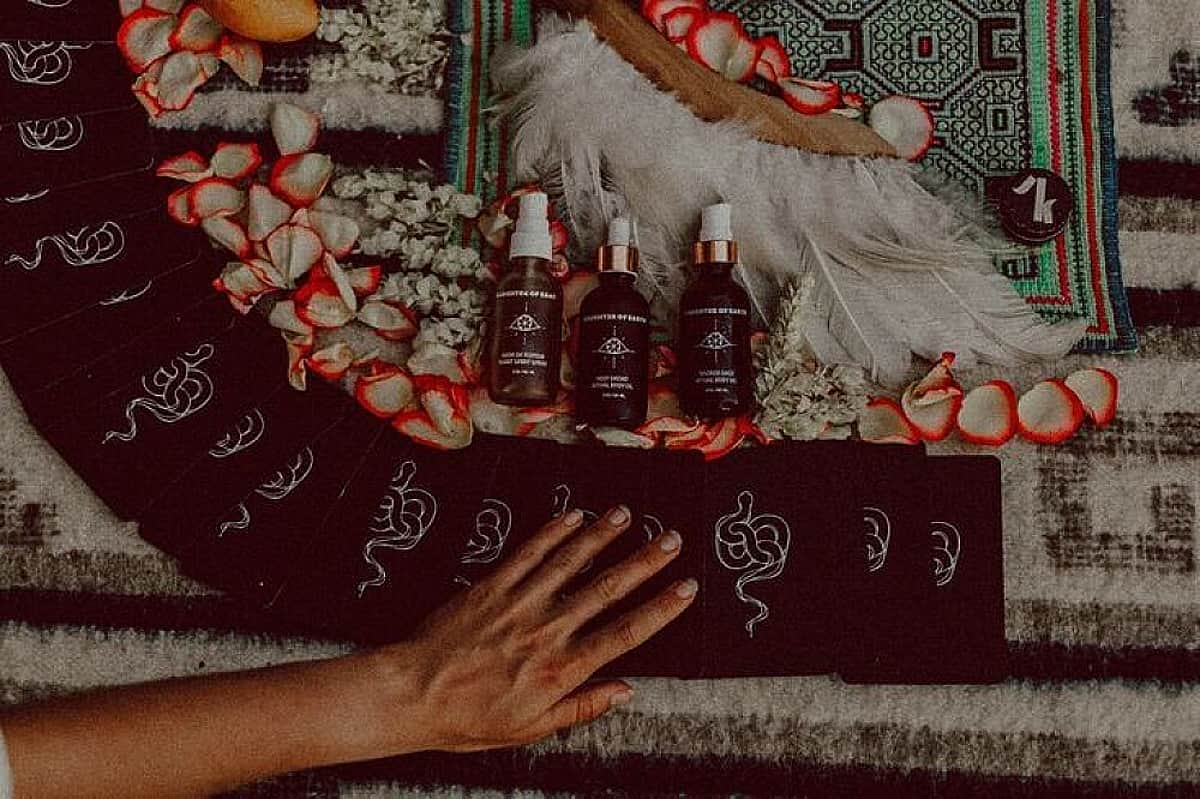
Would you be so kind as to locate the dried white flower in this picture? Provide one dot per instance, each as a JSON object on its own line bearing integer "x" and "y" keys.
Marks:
{"x": 396, "y": 45}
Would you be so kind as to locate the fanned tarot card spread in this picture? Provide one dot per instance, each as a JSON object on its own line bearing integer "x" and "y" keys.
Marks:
{"x": 45, "y": 79}
{"x": 69, "y": 151}
{"x": 35, "y": 356}
{"x": 265, "y": 449}
{"x": 129, "y": 442}
{"x": 94, "y": 20}
{"x": 783, "y": 532}
{"x": 387, "y": 555}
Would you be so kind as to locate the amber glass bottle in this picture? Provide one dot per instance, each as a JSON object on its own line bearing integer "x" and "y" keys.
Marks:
{"x": 612, "y": 383}
{"x": 715, "y": 370}
{"x": 525, "y": 334}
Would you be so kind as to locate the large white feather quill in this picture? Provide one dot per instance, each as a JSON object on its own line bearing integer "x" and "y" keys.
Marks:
{"x": 896, "y": 269}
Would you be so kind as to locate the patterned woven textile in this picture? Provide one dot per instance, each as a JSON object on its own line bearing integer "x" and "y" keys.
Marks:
{"x": 1101, "y": 542}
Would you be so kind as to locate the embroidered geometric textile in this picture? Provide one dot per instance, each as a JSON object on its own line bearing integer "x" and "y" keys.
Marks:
{"x": 1011, "y": 84}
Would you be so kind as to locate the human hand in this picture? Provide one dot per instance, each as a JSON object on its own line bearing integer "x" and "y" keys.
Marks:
{"x": 505, "y": 662}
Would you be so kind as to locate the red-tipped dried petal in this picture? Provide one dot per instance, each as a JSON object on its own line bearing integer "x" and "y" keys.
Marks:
{"x": 751, "y": 430}
{"x": 191, "y": 167}
{"x": 678, "y": 22}
{"x": 656, "y": 11}
{"x": 236, "y": 161}
{"x": 129, "y": 6}
{"x": 810, "y": 96}
{"x": 447, "y": 403}
{"x": 182, "y": 74}
{"x": 339, "y": 278}
{"x": 283, "y": 316}
{"x": 300, "y": 179}
{"x": 229, "y": 234}
{"x": 931, "y": 404}
{"x": 295, "y": 250}
{"x": 145, "y": 37}
{"x": 243, "y": 284}
{"x": 295, "y": 129}
{"x": 437, "y": 359}
{"x": 773, "y": 63}
{"x": 491, "y": 417}
{"x": 244, "y": 57}
{"x": 988, "y": 415}
{"x": 854, "y": 100}
{"x": 468, "y": 361}
{"x": 298, "y": 350}
{"x": 365, "y": 280}
{"x": 420, "y": 428}
{"x": 848, "y": 113}
{"x": 883, "y": 422}
{"x": 758, "y": 340}
{"x": 268, "y": 273}
{"x": 179, "y": 207}
{"x": 668, "y": 424}
{"x": 721, "y": 43}
{"x": 145, "y": 89}
{"x": 340, "y": 233}
{"x": 616, "y": 437}
{"x": 319, "y": 304}
{"x": 1049, "y": 413}
{"x": 1097, "y": 391}
{"x": 694, "y": 439}
{"x": 197, "y": 31}
{"x": 216, "y": 197}
{"x": 332, "y": 362}
{"x": 727, "y": 435}
{"x": 390, "y": 320}
{"x": 905, "y": 123}
{"x": 169, "y": 6}
{"x": 267, "y": 212}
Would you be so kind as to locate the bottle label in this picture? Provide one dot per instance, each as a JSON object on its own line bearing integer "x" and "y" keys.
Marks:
{"x": 527, "y": 324}
{"x": 713, "y": 343}
{"x": 614, "y": 345}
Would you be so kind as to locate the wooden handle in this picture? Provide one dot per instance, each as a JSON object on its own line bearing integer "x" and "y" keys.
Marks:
{"x": 714, "y": 98}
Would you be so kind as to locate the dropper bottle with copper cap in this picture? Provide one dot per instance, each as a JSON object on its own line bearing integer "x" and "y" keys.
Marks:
{"x": 612, "y": 381}
{"x": 715, "y": 369}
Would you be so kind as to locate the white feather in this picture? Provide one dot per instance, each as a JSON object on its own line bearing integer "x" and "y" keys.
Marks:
{"x": 897, "y": 270}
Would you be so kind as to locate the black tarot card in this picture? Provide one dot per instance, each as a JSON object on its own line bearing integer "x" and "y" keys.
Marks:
{"x": 672, "y": 494}
{"x": 893, "y": 560}
{"x": 265, "y": 453}
{"x": 519, "y": 498}
{"x": 90, "y": 203}
{"x": 67, "y": 151}
{"x": 131, "y": 444}
{"x": 784, "y": 534}
{"x": 78, "y": 267}
{"x": 387, "y": 555}
{"x": 38, "y": 356}
{"x": 954, "y": 632}
{"x": 67, "y": 20}
{"x": 53, "y": 78}
{"x": 58, "y": 401}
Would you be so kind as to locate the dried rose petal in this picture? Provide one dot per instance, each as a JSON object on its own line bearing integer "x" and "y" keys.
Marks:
{"x": 197, "y": 31}
{"x": 365, "y": 280}
{"x": 295, "y": 129}
{"x": 145, "y": 37}
{"x": 295, "y": 250}
{"x": 390, "y": 320}
{"x": 386, "y": 392}
{"x": 179, "y": 207}
{"x": 420, "y": 428}
{"x": 318, "y": 303}
{"x": 244, "y": 57}
{"x": 340, "y": 233}
{"x": 216, "y": 197}
{"x": 267, "y": 212}
{"x": 229, "y": 234}
{"x": 283, "y": 316}
{"x": 236, "y": 161}
{"x": 301, "y": 179}
{"x": 191, "y": 167}
{"x": 182, "y": 74}
{"x": 332, "y": 362}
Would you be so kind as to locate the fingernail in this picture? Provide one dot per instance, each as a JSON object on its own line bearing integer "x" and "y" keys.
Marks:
{"x": 573, "y": 518}
{"x": 687, "y": 589}
{"x": 618, "y": 515}
{"x": 669, "y": 541}
{"x": 620, "y": 698}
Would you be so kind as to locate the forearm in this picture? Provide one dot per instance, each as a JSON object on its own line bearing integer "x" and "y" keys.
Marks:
{"x": 201, "y": 735}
